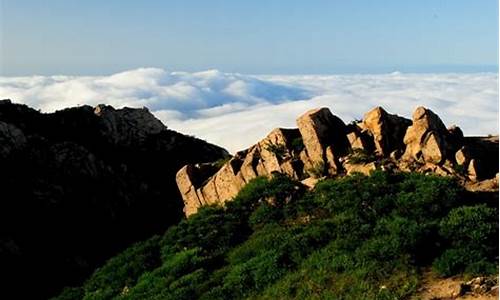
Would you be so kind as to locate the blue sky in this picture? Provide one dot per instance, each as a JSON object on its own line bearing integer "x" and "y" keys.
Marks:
{"x": 90, "y": 37}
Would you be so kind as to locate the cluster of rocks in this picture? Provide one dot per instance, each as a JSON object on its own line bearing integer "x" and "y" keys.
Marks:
{"x": 323, "y": 145}
{"x": 479, "y": 286}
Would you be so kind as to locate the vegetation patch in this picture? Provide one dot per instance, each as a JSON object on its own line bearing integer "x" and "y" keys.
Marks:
{"x": 277, "y": 149}
{"x": 360, "y": 156}
{"x": 318, "y": 170}
{"x": 357, "y": 237}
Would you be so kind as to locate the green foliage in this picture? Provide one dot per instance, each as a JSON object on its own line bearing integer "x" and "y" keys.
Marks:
{"x": 297, "y": 144}
{"x": 318, "y": 170}
{"x": 471, "y": 226}
{"x": 472, "y": 232}
{"x": 70, "y": 293}
{"x": 221, "y": 162}
{"x": 277, "y": 149}
{"x": 211, "y": 229}
{"x": 360, "y": 156}
{"x": 460, "y": 169}
{"x": 357, "y": 237}
{"x": 123, "y": 270}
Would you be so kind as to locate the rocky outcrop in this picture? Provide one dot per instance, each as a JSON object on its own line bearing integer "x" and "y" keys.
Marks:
{"x": 324, "y": 138}
{"x": 387, "y": 130}
{"x": 127, "y": 125}
{"x": 82, "y": 184}
{"x": 425, "y": 139}
{"x": 275, "y": 153}
{"x": 323, "y": 145}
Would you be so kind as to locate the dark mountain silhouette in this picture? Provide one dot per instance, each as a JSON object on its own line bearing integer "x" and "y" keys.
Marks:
{"x": 79, "y": 185}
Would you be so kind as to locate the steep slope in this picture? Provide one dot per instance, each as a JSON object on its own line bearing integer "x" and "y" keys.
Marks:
{"x": 323, "y": 145}
{"x": 81, "y": 184}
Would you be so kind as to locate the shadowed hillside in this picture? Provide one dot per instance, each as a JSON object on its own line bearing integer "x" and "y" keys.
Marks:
{"x": 81, "y": 184}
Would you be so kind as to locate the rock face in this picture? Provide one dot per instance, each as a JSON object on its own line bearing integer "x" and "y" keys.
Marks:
{"x": 128, "y": 125}
{"x": 387, "y": 130}
{"x": 275, "y": 153}
{"x": 81, "y": 184}
{"x": 425, "y": 139}
{"x": 324, "y": 137}
{"x": 323, "y": 145}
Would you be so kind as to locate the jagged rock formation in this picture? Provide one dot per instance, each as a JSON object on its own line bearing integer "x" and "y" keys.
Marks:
{"x": 323, "y": 145}
{"x": 81, "y": 184}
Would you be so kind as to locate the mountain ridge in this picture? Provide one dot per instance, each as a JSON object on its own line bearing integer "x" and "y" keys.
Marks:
{"x": 323, "y": 145}
{"x": 81, "y": 184}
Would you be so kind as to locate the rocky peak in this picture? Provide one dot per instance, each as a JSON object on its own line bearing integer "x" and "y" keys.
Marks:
{"x": 387, "y": 131}
{"x": 127, "y": 125}
{"x": 325, "y": 138}
{"x": 323, "y": 145}
{"x": 426, "y": 139}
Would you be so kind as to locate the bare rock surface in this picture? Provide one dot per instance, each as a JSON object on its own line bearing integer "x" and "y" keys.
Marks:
{"x": 323, "y": 145}
{"x": 387, "y": 130}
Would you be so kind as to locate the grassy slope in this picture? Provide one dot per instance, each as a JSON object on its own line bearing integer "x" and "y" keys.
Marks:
{"x": 352, "y": 238}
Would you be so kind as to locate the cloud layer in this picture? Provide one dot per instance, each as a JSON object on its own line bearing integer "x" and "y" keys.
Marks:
{"x": 235, "y": 110}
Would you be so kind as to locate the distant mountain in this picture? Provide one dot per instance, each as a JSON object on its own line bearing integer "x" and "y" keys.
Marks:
{"x": 79, "y": 185}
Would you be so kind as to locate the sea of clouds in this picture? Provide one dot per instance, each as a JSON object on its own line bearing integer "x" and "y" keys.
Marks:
{"x": 235, "y": 110}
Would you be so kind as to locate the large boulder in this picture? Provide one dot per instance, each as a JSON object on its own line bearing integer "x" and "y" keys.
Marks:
{"x": 275, "y": 148}
{"x": 249, "y": 168}
{"x": 463, "y": 156}
{"x": 484, "y": 150}
{"x": 386, "y": 129}
{"x": 228, "y": 180}
{"x": 189, "y": 178}
{"x": 324, "y": 137}
{"x": 425, "y": 139}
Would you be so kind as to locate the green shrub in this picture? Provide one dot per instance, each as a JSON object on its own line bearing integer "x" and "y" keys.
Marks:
{"x": 70, "y": 293}
{"x": 277, "y": 149}
{"x": 360, "y": 156}
{"x": 265, "y": 214}
{"x": 461, "y": 169}
{"x": 211, "y": 229}
{"x": 221, "y": 162}
{"x": 454, "y": 261}
{"x": 318, "y": 170}
{"x": 472, "y": 226}
{"x": 472, "y": 232}
{"x": 123, "y": 270}
{"x": 297, "y": 144}
{"x": 482, "y": 267}
{"x": 357, "y": 237}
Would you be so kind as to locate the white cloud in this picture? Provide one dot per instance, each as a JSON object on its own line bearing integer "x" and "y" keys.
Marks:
{"x": 235, "y": 110}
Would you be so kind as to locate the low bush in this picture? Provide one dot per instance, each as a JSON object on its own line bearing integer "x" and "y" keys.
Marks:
{"x": 357, "y": 237}
{"x": 277, "y": 149}
{"x": 472, "y": 233}
{"x": 360, "y": 156}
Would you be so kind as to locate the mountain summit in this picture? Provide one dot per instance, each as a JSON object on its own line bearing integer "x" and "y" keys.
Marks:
{"x": 323, "y": 145}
